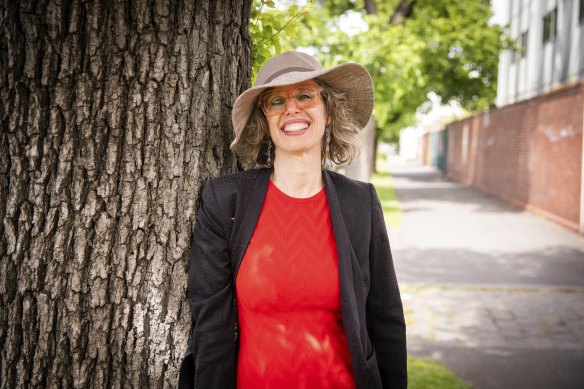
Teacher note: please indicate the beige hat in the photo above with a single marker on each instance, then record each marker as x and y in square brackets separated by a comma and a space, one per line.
[292, 67]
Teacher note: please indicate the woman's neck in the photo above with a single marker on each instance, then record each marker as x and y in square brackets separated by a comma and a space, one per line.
[297, 176]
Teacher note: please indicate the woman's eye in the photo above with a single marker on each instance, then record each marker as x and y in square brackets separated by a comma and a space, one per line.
[304, 97]
[277, 101]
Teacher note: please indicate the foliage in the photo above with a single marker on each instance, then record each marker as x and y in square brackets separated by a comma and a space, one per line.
[447, 47]
[273, 30]
[464, 59]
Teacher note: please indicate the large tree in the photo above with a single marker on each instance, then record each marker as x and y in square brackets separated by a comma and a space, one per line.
[112, 114]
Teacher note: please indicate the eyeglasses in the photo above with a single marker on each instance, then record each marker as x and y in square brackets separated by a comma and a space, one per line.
[305, 95]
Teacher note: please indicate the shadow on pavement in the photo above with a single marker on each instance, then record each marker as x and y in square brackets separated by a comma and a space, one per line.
[557, 266]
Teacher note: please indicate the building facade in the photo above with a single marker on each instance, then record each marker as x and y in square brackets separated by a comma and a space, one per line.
[528, 150]
[549, 35]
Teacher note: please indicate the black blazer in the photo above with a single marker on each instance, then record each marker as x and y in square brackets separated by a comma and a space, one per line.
[370, 301]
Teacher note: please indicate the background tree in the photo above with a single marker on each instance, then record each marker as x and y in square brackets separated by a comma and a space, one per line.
[112, 115]
[410, 47]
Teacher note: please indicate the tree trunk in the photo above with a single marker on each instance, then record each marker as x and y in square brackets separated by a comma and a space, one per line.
[363, 166]
[113, 114]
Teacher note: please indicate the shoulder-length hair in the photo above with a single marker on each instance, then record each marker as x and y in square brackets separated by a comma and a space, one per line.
[346, 135]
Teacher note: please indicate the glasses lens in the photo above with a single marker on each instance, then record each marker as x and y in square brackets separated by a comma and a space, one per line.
[275, 102]
[305, 96]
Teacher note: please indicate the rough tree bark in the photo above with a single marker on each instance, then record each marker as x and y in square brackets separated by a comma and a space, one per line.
[112, 114]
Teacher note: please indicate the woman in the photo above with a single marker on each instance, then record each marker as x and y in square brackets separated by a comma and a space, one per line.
[291, 280]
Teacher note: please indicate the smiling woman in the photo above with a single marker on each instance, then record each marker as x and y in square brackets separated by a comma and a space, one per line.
[291, 279]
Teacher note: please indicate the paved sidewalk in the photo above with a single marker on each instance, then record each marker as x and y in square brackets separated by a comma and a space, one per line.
[495, 292]
[495, 318]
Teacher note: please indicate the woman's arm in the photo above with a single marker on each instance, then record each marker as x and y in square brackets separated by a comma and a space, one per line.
[385, 317]
[210, 296]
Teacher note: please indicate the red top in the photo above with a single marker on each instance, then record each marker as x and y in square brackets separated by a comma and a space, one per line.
[289, 300]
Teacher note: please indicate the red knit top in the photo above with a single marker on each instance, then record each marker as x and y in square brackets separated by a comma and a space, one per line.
[288, 299]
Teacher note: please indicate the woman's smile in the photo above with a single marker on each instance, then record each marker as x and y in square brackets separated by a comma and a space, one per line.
[295, 127]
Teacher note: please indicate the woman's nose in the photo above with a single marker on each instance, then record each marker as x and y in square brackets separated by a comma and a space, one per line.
[291, 105]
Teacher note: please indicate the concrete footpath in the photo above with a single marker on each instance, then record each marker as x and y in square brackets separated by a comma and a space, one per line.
[493, 291]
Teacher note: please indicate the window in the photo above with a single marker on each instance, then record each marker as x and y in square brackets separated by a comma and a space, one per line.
[523, 44]
[549, 25]
[521, 48]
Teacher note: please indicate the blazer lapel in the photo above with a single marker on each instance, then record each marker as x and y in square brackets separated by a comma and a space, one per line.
[344, 248]
[349, 291]
[346, 274]
[248, 220]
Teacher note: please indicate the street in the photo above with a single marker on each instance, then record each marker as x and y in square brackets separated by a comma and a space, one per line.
[495, 292]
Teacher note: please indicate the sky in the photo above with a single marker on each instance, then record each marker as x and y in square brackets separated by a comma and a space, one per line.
[500, 11]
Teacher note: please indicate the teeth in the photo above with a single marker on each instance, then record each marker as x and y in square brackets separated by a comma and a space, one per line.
[295, 127]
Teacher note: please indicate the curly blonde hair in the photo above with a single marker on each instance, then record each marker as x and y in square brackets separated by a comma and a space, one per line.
[346, 135]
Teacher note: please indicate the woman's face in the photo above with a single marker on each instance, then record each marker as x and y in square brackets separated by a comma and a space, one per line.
[297, 118]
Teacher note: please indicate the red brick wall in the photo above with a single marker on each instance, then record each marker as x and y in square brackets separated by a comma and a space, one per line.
[528, 153]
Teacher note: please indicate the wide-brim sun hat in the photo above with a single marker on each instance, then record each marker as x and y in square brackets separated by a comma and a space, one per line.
[293, 67]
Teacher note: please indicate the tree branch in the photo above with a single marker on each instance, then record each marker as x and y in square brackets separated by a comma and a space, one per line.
[370, 7]
[403, 10]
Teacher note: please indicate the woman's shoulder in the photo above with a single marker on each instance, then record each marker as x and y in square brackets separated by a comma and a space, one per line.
[237, 181]
[353, 194]
[343, 182]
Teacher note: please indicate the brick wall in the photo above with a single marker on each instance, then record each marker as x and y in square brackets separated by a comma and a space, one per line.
[528, 153]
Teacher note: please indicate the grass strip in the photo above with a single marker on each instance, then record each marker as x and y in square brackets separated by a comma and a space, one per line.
[428, 373]
[389, 202]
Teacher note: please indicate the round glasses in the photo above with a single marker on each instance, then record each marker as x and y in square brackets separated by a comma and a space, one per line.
[305, 96]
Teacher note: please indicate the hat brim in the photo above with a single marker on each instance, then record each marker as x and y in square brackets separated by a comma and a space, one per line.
[351, 79]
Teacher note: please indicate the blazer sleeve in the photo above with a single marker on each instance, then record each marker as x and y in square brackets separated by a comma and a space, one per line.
[385, 317]
[211, 299]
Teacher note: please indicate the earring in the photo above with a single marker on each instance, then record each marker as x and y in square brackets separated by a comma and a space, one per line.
[327, 140]
[269, 151]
